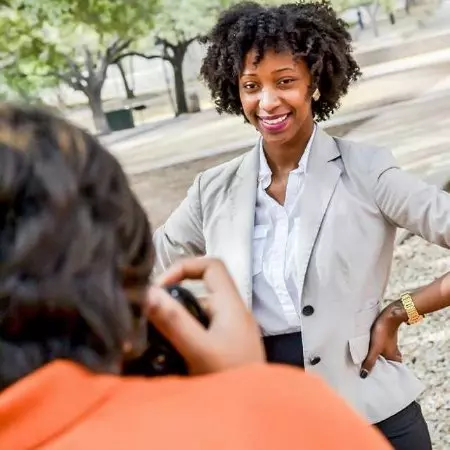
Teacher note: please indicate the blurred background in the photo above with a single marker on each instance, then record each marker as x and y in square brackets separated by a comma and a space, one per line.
[127, 70]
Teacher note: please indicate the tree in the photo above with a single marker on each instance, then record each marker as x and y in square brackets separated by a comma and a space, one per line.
[372, 7]
[176, 28]
[86, 69]
[75, 42]
[128, 90]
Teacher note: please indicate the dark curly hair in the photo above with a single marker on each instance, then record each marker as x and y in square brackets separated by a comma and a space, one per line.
[310, 31]
[75, 247]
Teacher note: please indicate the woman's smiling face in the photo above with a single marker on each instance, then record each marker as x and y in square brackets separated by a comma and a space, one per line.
[275, 96]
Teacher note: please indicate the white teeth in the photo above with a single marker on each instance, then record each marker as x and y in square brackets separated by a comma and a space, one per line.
[275, 121]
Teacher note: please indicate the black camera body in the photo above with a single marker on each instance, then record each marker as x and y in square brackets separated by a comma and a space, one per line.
[160, 357]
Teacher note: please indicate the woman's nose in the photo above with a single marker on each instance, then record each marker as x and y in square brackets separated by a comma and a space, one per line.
[268, 100]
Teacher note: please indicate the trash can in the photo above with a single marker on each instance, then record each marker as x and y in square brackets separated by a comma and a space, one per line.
[120, 119]
[194, 103]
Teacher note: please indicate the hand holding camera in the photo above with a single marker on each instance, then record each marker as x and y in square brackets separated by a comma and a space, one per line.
[232, 337]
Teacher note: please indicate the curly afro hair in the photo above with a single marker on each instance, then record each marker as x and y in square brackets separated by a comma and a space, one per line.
[310, 31]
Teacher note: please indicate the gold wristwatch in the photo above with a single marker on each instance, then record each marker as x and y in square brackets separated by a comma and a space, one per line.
[410, 308]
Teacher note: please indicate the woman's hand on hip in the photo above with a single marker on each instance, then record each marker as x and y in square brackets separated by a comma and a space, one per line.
[383, 340]
[233, 337]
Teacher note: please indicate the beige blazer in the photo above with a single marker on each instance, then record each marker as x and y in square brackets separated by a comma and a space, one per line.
[354, 198]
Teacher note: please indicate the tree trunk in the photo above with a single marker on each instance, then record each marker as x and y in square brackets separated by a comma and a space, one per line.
[360, 20]
[128, 90]
[180, 94]
[373, 17]
[96, 105]
[169, 87]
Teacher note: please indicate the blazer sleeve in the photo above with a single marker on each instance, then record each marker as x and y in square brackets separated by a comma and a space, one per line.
[182, 234]
[409, 202]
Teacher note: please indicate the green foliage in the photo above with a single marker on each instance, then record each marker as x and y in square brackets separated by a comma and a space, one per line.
[47, 41]
[186, 21]
[123, 18]
[21, 48]
[191, 18]
[343, 5]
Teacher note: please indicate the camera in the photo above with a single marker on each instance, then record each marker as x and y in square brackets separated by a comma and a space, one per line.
[160, 357]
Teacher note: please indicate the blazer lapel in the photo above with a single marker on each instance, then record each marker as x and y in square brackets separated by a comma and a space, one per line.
[321, 178]
[322, 175]
[239, 230]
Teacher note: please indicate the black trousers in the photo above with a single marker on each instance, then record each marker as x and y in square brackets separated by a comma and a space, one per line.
[406, 430]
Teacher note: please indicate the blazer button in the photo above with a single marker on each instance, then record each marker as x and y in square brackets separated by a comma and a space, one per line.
[308, 310]
[315, 360]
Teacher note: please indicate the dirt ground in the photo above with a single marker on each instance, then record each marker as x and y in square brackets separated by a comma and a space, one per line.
[161, 190]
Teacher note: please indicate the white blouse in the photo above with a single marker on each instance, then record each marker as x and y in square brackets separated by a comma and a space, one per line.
[276, 304]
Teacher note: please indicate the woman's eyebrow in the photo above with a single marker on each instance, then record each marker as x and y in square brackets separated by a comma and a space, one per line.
[281, 69]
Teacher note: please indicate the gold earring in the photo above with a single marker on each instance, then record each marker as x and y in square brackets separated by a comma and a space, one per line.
[316, 95]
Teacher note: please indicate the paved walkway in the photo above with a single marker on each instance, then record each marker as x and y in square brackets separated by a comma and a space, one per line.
[418, 132]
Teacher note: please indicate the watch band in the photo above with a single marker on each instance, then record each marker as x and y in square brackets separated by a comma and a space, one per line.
[410, 308]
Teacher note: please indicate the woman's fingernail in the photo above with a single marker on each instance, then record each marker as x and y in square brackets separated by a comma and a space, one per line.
[363, 374]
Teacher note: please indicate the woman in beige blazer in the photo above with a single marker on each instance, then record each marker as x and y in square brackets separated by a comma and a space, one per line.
[306, 222]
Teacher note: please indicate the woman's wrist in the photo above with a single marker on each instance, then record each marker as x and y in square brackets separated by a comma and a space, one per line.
[397, 313]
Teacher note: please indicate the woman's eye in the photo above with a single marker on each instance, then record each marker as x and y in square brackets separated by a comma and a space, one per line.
[286, 81]
[250, 86]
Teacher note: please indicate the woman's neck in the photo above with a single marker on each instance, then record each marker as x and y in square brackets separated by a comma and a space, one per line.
[284, 157]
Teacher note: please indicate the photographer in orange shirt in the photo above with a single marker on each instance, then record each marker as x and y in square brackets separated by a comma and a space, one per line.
[75, 258]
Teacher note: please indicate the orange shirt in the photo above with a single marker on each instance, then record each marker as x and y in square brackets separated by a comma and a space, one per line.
[62, 406]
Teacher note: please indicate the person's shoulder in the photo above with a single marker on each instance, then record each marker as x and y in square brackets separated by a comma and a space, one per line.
[359, 150]
[270, 383]
[283, 377]
[263, 385]
[225, 170]
[364, 157]
[296, 397]
[301, 397]
[237, 401]
[259, 376]
[215, 182]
